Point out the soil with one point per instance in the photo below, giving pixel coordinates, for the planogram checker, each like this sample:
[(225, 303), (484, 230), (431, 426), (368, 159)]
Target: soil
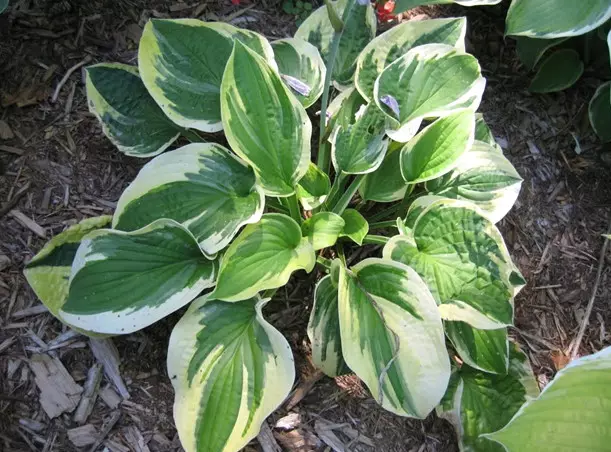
[(56, 168)]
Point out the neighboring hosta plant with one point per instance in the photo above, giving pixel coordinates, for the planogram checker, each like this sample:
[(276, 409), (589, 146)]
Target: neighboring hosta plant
[(571, 413), (557, 39), (222, 227)]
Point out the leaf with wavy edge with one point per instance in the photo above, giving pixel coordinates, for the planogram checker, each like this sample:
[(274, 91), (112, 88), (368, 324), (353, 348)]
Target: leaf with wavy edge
[(230, 369), (201, 185), (392, 336), (121, 282), (462, 257), (264, 123)]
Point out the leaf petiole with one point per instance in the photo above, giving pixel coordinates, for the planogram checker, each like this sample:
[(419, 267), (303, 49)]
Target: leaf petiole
[(375, 240), (348, 194), (324, 262), (383, 224), (323, 161), (192, 136), (294, 210)]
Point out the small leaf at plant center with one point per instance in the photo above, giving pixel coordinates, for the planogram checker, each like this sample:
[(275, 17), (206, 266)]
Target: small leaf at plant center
[(437, 148), (263, 257), (323, 229), (356, 227)]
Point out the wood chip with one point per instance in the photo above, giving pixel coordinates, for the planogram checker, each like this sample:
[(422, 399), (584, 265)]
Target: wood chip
[(83, 436), (110, 397), (4, 345), (107, 354), (135, 439), (266, 439), (28, 223), (177, 7), (289, 422), (329, 438), (299, 440), (114, 418), (350, 432), (162, 441), (5, 131), (28, 312), (5, 261), (58, 391), (11, 149), (46, 199), (134, 32), (303, 389), (90, 394), (33, 425), (115, 446)]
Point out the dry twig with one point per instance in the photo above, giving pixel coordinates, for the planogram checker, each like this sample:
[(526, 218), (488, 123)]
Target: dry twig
[(69, 72), (586, 317)]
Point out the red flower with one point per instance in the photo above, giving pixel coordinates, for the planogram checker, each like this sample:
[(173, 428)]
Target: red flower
[(235, 2), (384, 10)]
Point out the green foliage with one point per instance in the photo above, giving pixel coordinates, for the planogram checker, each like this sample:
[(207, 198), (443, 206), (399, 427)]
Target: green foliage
[(571, 413), (555, 39), (298, 8), (222, 228)]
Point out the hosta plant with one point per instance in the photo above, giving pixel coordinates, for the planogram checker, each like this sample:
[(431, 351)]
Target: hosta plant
[(221, 224), (557, 39)]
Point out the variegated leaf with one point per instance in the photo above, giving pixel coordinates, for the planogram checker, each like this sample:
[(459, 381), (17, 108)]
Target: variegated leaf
[(129, 116), (484, 177), (263, 257), (478, 403), (299, 60), (264, 123), (49, 271), (404, 5), (461, 256), (359, 28), (486, 350), (430, 80), (482, 131), (201, 185), (572, 412), (392, 44), (323, 330), (182, 62), (121, 282), (230, 370), (392, 336), (359, 147)]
